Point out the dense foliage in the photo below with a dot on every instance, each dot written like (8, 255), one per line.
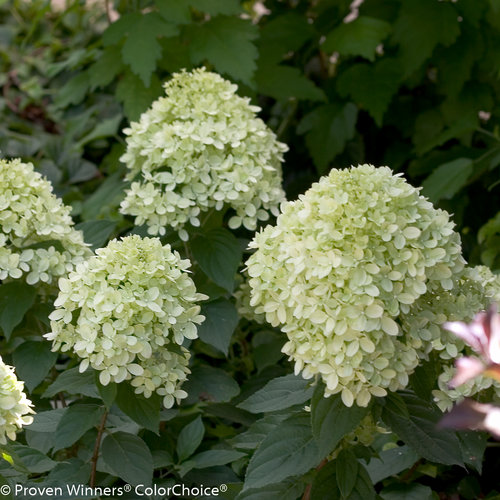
(411, 84)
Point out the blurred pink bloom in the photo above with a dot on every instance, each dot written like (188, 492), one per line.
(470, 414)
(483, 335)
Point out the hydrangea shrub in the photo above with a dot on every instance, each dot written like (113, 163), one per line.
(15, 407)
(126, 313)
(201, 147)
(37, 237)
(338, 268)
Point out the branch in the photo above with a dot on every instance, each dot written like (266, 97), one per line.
(307, 491)
(95, 455)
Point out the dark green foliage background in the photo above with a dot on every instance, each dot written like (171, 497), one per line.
(412, 84)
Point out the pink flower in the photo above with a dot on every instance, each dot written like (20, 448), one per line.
(470, 414)
(483, 335)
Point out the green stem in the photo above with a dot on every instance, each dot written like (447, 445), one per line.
(488, 133)
(287, 120)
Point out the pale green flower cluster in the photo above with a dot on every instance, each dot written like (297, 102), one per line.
(242, 296)
(37, 237)
(126, 312)
(338, 269)
(445, 397)
(15, 408)
(198, 148)
(475, 290)
(365, 433)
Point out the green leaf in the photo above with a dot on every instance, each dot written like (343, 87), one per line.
(455, 63)
(46, 421)
(251, 439)
(135, 96)
(414, 491)
(16, 298)
(190, 438)
(162, 458)
(109, 193)
(289, 450)
(80, 170)
(396, 404)
(73, 91)
(328, 128)
(218, 253)
(118, 30)
(424, 379)
(447, 179)
(324, 485)
(473, 445)
(106, 128)
(226, 42)
(332, 420)
(33, 360)
(353, 481)
(371, 85)
(106, 68)
(214, 7)
(174, 12)
(420, 27)
(267, 346)
(144, 411)
(219, 325)
(35, 461)
(286, 490)
(73, 382)
(428, 125)
(279, 394)
(211, 458)
(229, 412)
(285, 82)
(96, 232)
(107, 392)
(128, 457)
(282, 34)
(175, 55)
(207, 383)
(418, 430)
(391, 462)
(357, 38)
(141, 49)
(71, 471)
(346, 470)
(75, 422)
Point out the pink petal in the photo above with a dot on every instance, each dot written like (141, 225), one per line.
(466, 369)
(470, 334)
(468, 414)
(494, 327)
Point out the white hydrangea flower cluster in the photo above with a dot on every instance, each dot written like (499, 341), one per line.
(198, 148)
(242, 296)
(126, 312)
(37, 237)
(445, 397)
(474, 289)
(341, 264)
(15, 407)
